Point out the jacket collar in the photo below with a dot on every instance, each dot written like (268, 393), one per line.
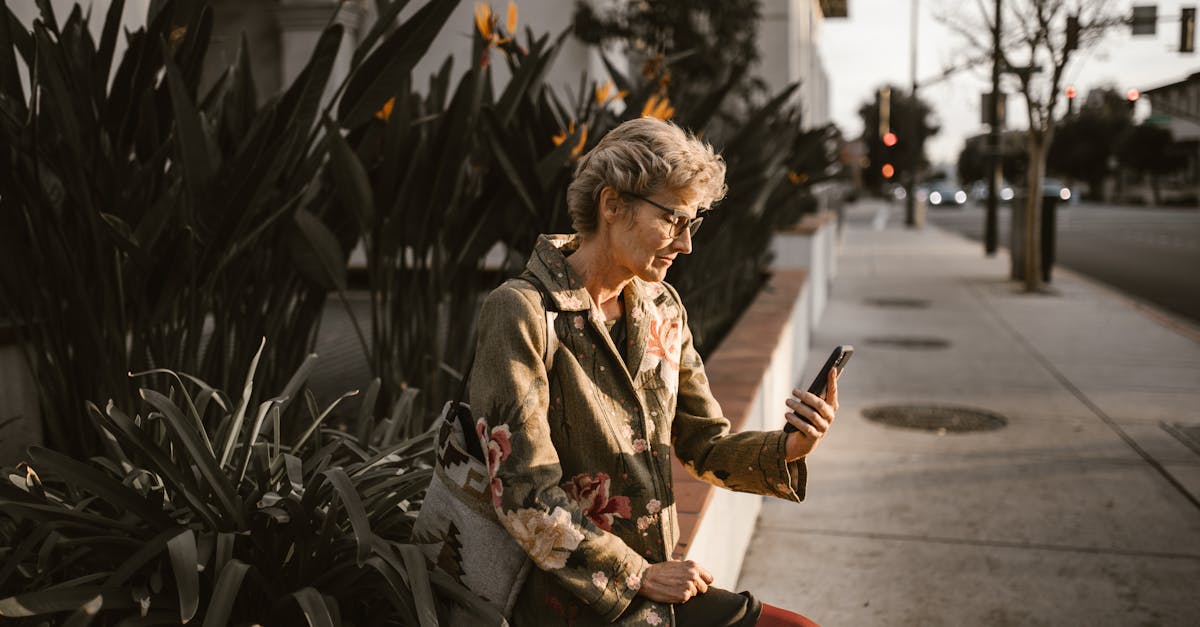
(548, 264)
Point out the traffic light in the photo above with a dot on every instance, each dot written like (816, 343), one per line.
(1131, 98)
(1072, 32)
(883, 99)
(1187, 30)
(1071, 100)
(889, 139)
(888, 171)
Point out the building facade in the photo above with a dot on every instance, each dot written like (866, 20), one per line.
(281, 34)
(1176, 107)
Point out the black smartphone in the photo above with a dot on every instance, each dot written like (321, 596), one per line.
(837, 359)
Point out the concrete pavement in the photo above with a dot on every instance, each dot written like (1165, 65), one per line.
(1083, 510)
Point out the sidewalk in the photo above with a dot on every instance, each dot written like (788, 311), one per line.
(1083, 510)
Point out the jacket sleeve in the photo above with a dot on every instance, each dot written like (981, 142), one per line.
(748, 461)
(509, 396)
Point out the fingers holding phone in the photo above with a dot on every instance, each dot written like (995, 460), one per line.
(813, 410)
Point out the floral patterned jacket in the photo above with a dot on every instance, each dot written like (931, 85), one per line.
(579, 459)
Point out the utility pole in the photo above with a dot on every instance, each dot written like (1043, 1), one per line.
(910, 197)
(991, 219)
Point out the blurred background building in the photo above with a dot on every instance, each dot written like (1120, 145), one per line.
(282, 33)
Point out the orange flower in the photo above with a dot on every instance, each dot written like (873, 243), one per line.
(604, 94)
(511, 22)
(562, 136)
(578, 149)
(385, 112)
(486, 24)
(658, 107)
(177, 35)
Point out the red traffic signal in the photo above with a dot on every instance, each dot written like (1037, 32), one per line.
(889, 139)
(1070, 92)
(1132, 95)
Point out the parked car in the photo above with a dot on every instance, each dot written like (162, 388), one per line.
(979, 191)
(942, 193)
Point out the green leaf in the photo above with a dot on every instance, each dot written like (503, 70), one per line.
(161, 463)
(184, 560)
(300, 102)
(386, 20)
(313, 605)
(352, 502)
(379, 76)
(239, 415)
(108, 44)
(189, 133)
(229, 582)
(83, 616)
(141, 557)
(318, 254)
(200, 456)
(68, 599)
(418, 584)
(83, 476)
(350, 177)
(10, 78)
(366, 411)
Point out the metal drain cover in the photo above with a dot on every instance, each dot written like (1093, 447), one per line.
(908, 342)
(899, 303)
(939, 418)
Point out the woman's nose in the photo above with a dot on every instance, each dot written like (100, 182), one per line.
(683, 243)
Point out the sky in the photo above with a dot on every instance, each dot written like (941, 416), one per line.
(871, 48)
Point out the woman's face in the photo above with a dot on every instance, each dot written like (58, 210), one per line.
(643, 243)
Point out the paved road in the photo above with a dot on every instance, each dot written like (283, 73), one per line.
(1151, 254)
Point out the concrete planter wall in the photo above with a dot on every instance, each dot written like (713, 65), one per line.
(810, 244)
(752, 372)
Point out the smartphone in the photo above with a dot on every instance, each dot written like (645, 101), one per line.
(837, 359)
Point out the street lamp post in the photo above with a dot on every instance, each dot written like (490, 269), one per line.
(910, 207)
(991, 220)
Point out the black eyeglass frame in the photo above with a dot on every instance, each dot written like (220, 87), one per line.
(689, 223)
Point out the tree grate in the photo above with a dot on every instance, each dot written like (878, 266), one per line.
(908, 342)
(937, 418)
(899, 303)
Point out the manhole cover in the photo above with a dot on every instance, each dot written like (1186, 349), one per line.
(908, 342)
(939, 418)
(899, 303)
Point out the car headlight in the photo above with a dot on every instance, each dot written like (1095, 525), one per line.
(935, 198)
(1064, 193)
(1006, 193)
(960, 197)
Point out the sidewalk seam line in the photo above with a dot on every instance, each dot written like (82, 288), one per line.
(991, 543)
(1104, 417)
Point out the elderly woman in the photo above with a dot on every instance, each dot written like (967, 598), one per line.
(583, 479)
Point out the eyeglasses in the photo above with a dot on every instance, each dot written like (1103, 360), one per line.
(681, 221)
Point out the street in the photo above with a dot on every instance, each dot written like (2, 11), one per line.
(1150, 254)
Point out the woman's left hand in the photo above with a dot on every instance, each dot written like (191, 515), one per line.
(820, 412)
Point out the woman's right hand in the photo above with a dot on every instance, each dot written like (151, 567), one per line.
(674, 581)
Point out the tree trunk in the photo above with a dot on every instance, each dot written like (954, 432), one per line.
(1034, 180)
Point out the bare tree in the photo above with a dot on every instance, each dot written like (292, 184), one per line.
(1038, 39)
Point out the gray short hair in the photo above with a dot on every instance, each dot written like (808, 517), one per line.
(644, 156)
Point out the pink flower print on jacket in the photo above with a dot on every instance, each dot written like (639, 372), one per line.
(497, 447)
(664, 344)
(591, 493)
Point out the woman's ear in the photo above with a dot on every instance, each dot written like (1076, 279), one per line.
(610, 205)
